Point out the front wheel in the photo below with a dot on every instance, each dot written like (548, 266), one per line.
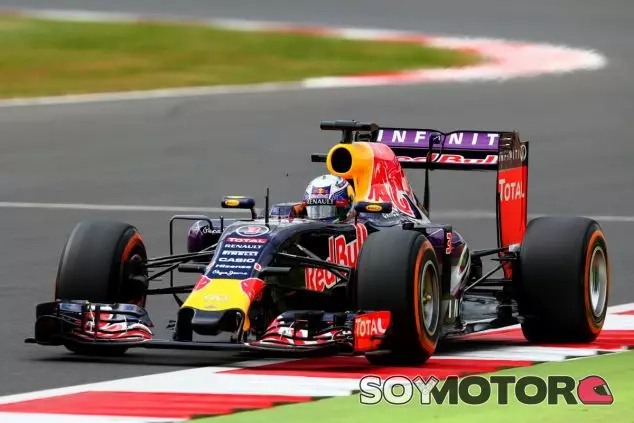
(102, 263)
(397, 271)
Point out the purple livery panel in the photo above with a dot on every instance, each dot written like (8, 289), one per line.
(458, 140)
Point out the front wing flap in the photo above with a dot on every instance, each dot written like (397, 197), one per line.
(296, 333)
(59, 322)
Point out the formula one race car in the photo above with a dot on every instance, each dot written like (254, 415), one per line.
(388, 284)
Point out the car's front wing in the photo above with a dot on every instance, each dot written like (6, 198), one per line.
(126, 325)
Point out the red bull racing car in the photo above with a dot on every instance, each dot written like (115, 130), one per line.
(387, 283)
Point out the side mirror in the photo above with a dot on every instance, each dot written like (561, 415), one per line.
(372, 207)
(238, 202)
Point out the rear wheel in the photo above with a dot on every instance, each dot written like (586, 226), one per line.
(101, 263)
(564, 280)
(398, 271)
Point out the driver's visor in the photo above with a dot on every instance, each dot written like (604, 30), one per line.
(321, 211)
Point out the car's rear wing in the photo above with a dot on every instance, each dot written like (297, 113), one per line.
(460, 150)
(418, 148)
(429, 149)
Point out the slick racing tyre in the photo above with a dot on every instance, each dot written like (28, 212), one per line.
(398, 271)
(94, 266)
(564, 280)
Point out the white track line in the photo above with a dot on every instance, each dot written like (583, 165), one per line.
(528, 353)
(620, 308)
(201, 373)
(506, 59)
(114, 207)
(153, 94)
(445, 214)
(206, 380)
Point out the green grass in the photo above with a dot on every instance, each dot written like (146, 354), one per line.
(50, 57)
(616, 369)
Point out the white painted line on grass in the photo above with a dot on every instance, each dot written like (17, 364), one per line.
(504, 59)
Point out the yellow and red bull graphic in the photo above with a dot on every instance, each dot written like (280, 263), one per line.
(225, 294)
(389, 182)
(339, 252)
(378, 176)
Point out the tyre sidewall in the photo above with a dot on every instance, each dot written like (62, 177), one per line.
(388, 278)
(596, 239)
(130, 245)
(91, 266)
(553, 279)
(424, 255)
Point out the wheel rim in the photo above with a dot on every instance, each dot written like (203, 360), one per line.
(598, 283)
(429, 297)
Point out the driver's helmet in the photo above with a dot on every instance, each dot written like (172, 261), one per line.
(328, 198)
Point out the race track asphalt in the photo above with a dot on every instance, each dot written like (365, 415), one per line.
(189, 152)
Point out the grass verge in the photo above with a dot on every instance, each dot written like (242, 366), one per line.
(616, 369)
(51, 57)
